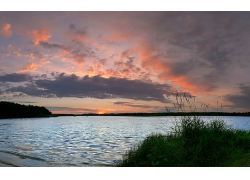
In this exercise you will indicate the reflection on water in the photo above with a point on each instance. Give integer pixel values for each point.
(80, 141)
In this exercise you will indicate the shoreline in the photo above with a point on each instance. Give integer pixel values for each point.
(209, 114)
(9, 159)
(163, 114)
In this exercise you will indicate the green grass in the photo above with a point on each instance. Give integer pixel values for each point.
(193, 143)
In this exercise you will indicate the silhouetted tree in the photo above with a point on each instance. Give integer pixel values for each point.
(14, 110)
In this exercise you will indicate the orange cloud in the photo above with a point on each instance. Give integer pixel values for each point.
(39, 35)
(17, 54)
(31, 67)
(114, 37)
(77, 57)
(152, 62)
(6, 30)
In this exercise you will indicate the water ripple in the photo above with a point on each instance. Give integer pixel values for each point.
(79, 141)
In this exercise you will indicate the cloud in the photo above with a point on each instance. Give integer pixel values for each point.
(69, 110)
(128, 68)
(117, 37)
(31, 90)
(217, 58)
(32, 67)
(190, 50)
(240, 100)
(166, 70)
(73, 29)
(39, 35)
(75, 33)
(49, 45)
(95, 87)
(75, 55)
(15, 77)
(68, 52)
(6, 30)
(210, 39)
(182, 68)
(25, 102)
(136, 105)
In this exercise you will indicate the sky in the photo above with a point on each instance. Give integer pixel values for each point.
(125, 61)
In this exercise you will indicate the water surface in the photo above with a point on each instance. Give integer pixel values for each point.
(81, 141)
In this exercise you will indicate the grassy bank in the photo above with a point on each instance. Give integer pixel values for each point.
(193, 143)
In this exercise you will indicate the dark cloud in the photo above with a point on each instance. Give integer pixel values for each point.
(203, 49)
(212, 38)
(15, 77)
(44, 76)
(217, 59)
(25, 102)
(49, 45)
(73, 29)
(95, 87)
(136, 105)
(54, 74)
(31, 90)
(127, 54)
(75, 55)
(18, 94)
(188, 29)
(72, 110)
(207, 74)
(184, 67)
(78, 56)
(240, 100)
(127, 66)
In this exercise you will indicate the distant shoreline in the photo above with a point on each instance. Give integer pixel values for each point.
(10, 110)
(164, 114)
(140, 115)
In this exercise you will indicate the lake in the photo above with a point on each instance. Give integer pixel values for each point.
(81, 141)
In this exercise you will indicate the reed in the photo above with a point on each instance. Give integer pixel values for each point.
(193, 142)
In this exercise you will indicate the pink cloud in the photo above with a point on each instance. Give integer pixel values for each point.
(152, 62)
(68, 54)
(6, 30)
(120, 36)
(39, 35)
(32, 67)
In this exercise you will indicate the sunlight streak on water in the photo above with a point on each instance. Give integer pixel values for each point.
(82, 141)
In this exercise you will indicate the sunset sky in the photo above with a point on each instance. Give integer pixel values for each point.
(113, 62)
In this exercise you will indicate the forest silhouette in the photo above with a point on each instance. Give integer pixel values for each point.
(14, 110)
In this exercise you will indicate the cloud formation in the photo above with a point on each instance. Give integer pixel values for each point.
(73, 29)
(68, 52)
(32, 67)
(135, 105)
(240, 100)
(6, 30)
(76, 33)
(49, 45)
(95, 87)
(15, 77)
(67, 110)
(148, 52)
(39, 35)
(211, 39)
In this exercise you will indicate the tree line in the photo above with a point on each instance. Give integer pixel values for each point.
(14, 110)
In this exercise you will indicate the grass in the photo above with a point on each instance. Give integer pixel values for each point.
(192, 143)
